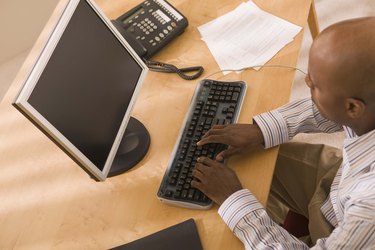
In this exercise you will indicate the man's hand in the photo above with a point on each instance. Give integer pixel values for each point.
(215, 180)
(240, 138)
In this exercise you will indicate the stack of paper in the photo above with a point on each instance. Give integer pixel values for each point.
(246, 36)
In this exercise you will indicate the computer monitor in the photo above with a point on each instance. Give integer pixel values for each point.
(81, 91)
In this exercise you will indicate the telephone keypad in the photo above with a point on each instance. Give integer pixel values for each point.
(147, 26)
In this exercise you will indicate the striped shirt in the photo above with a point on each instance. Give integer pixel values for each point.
(350, 206)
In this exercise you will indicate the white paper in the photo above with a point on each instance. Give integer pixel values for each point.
(246, 36)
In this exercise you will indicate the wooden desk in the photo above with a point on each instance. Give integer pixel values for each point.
(47, 201)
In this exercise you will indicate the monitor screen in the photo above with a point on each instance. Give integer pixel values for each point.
(83, 86)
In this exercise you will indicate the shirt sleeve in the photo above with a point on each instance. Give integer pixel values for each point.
(357, 229)
(301, 116)
(353, 233)
(248, 220)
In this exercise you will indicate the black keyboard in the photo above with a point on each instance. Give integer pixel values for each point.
(214, 102)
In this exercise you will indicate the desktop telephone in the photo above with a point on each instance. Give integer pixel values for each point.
(149, 27)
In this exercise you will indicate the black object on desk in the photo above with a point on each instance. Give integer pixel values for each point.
(214, 103)
(183, 236)
(149, 27)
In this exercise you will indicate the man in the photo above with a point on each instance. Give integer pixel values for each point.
(342, 82)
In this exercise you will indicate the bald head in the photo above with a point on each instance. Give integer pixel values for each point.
(348, 49)
(342, 61)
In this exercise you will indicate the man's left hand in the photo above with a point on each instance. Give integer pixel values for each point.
(215, 179)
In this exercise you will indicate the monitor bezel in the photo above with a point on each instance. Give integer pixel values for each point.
(22, 104)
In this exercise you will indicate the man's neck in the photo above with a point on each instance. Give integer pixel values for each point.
(361, 129)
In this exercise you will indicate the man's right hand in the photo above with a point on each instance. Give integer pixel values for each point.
(239, 137)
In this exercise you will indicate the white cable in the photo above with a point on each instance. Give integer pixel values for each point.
(258, 66)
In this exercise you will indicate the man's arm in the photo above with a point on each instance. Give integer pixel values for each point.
(270, 128)
(282, 124)
(241, 211)
(248, 220)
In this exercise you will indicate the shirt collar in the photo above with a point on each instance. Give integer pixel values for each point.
(360, 150)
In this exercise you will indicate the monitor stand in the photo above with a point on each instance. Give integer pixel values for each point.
(133, 147)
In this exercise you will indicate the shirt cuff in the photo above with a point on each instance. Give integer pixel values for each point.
(274, 128)
(238, 205)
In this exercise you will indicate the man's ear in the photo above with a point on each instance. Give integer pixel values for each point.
(355, 108)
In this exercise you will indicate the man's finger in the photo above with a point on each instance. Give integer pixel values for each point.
(205, 161)
(196, 184)
(197, 173)
(220, 156)
(228, 153)
(212, 139)
(216, 129)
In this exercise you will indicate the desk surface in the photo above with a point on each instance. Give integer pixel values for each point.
(47, 201)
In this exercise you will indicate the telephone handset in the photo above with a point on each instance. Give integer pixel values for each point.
(149, 27)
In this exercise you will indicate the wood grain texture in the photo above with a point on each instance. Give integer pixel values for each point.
(48, 202)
